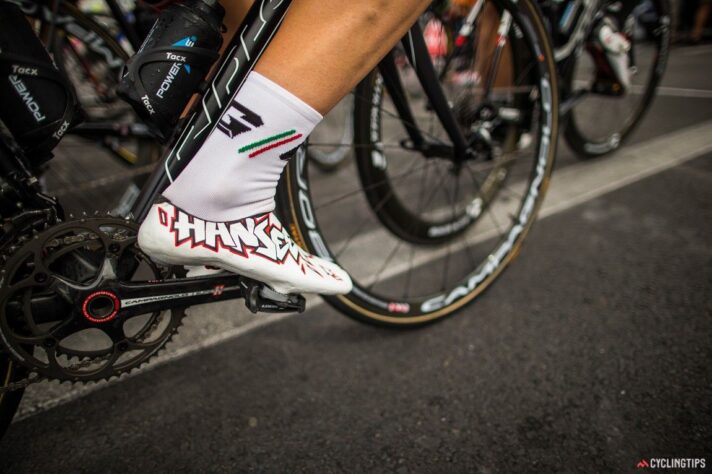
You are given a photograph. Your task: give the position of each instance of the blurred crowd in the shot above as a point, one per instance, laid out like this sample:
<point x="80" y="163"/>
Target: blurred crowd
<point x="691" y="20"/>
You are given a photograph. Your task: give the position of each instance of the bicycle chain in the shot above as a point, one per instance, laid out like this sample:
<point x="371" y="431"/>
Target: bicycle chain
<point x="20" y="384"/>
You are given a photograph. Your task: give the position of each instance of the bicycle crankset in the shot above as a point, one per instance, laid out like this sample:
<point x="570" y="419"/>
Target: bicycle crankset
<point x="60" y="315"/>
<point x="80" y="302"/>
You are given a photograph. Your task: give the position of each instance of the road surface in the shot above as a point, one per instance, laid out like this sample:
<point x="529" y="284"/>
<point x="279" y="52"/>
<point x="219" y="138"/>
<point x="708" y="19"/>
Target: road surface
<point x="591" y="352"/>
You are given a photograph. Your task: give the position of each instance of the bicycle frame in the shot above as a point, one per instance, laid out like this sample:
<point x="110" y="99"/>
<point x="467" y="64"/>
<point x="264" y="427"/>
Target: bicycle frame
<point x="565" y="54"/>
<point x="575" y="34"/>
<point x="126" y="26"/>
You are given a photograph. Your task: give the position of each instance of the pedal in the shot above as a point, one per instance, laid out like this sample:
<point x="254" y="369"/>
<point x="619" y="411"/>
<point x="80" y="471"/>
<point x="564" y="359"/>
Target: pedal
<point x="261" y="298"/>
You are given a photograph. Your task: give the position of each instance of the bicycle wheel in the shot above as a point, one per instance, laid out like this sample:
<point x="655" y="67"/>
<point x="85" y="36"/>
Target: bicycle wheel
<point x="11" y="400"/>
<point x="606" y="115"/>
<point x="421" y="237"/>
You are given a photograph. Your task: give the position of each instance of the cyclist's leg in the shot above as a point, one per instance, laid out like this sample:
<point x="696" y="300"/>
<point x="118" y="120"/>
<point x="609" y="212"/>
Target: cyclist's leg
<point x="235" y="11"/>
<point x="325" y="48"/>
<point x="227" y="191"/>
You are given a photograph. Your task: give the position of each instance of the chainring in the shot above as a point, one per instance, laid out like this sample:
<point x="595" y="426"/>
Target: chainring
<point x="44" y="323"/>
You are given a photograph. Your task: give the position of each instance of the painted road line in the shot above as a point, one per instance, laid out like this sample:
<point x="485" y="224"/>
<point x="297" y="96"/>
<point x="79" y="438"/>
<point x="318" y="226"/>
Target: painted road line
<point x="571" y="186"/>
<point x="588" y="180"/>
<point x="695" y="51"/>
<point x="665" y="91"/>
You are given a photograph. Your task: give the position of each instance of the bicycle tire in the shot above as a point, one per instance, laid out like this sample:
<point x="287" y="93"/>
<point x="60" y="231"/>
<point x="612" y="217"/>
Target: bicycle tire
<point x="583" y="141"/>
<point x="305" y="219"/>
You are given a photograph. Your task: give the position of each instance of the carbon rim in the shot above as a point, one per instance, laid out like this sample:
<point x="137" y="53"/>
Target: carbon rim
<point x="311" y="204"/>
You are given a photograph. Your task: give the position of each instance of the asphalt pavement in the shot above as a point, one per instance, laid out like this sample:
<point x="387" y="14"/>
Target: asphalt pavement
<point x="590" y="353"/>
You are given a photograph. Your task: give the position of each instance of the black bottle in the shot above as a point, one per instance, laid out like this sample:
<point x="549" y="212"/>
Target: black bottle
<point x="172" y="62"/>
<point x="37" y="104"/>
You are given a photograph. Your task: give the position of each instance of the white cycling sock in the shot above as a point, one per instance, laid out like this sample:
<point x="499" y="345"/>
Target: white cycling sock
<point x="234" y="174"/>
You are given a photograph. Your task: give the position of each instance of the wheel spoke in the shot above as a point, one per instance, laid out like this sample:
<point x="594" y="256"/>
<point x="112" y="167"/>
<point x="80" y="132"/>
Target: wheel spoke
<point x="370" y="187"/>
<point x="404" y="122"/>
<point x="385" y="264"/>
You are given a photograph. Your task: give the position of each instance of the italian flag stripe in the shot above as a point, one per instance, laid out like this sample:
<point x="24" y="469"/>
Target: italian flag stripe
<point x="264" y="141"/>
<point x="274" y="145"/>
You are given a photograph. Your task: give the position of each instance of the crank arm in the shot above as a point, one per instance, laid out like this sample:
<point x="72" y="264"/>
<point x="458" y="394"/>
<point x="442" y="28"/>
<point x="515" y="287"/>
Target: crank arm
<point x="146" y="297"/>
<point x="126" y="300"/>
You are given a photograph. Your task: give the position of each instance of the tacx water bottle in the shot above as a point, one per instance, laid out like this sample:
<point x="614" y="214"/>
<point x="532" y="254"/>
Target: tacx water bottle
<point x="172" y="62"/>
<point x="37" y="103"/>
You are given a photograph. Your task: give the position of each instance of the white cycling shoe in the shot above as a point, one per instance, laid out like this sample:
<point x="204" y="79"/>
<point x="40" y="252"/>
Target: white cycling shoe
<point x="256" y="247"/>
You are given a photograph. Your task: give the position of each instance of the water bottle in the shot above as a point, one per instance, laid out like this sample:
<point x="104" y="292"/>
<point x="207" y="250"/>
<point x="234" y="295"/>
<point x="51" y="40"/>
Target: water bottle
<point x="172" y="62"/>
<point x="37" y="104"/>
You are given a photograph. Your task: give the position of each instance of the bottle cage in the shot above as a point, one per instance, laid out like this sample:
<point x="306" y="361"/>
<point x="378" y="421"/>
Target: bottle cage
<point x="39" y="142"/>
<point x="200" y="59"/>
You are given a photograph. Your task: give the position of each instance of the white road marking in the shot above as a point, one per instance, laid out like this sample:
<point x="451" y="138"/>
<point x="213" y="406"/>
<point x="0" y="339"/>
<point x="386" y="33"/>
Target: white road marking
<point x="695" y="51"/>
<point x="665" y="91"/>
<point x="570" y="187"/>
<point x="588" y="180"/>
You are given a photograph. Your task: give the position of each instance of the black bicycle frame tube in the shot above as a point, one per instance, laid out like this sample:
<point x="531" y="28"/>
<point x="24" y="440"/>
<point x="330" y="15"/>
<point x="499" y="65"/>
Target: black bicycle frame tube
<point x="505" y="24"/>
<point x="124" y="23"/>
<point x="243" y="52"/>
<point x="392" y="81"/>
<point x="417" y="52"/>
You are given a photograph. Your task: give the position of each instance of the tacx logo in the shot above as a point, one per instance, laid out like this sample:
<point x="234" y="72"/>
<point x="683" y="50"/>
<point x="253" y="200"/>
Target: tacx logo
<point x="25" y="71"/>
<point x="642" y="464"/>
<point x="147" y="104"/>
<point x="62" y="130"/>
<point x="175" y="57"/>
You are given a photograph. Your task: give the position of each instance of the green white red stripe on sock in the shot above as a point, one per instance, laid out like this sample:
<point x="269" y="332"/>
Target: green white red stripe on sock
<point x="270" y="143"/>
